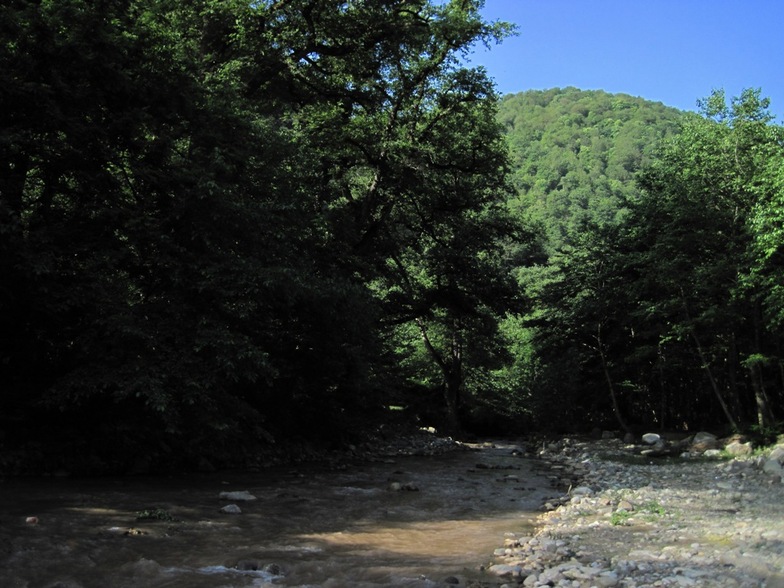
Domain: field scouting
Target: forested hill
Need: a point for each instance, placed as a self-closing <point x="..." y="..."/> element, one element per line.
<point x="660" y="299"/>
<point x="575" y="152"/>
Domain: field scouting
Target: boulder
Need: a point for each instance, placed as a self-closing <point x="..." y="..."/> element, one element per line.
<point x="778" y="454"/>
<point x="737" y="449"/>
<point x="231" y="509"/>
<point x="703" y="441"/>
<point x="703" y="437"/>
<point x="773" y="468"/>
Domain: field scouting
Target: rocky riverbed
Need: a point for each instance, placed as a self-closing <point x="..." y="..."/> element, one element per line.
<point x="638" y="514"/>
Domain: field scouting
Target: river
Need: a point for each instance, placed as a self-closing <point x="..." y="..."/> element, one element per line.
<point x="310" y="526"/>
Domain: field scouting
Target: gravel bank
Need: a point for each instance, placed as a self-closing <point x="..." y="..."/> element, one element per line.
<point x="644" y="515"/>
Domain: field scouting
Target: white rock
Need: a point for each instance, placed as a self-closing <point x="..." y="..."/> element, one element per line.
<point x="505" y="570"/>
<point x="651" y="438"/>
<point x="582" y="491"/>
<point x="231" y="509"/>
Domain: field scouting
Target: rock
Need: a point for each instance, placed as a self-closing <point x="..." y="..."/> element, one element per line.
<point x="506" y="570"/>
<point x="651" y="438"/>
<point x="253" y="565"/>
<point x="550" y="577"/>
<point x="702" y="442"/>
<point x="738" y="466"/>
<point x="628" y="438"/>
<point x="607" y="579"/>
<point x="407" y="486"/>
<point x="31" y="520"/>
<point x="608" y="435"/>
<point x="272" y="568"/>
<point x="703" y="436"/>
<point x="451" y="580"/>
<point x="231" y="509"/>
<point x="773" y="468"/>
<point x="778" y="454"/>
<point x="582" y="491"/>
<point x="242" y="496"/>
<point x="737" y="449"/>
<point x="712" y="453"/>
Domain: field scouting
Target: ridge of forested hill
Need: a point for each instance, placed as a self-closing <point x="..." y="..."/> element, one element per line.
<point x="575" y="153"/>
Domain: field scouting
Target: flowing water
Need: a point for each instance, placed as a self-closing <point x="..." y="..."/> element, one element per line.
<point x="317" y="526"/>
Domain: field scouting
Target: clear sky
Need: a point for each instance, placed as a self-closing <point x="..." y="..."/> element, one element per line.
<point x="670" y="51"/>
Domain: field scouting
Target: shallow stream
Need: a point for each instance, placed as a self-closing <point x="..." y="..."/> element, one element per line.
<point x="310" y="526"/>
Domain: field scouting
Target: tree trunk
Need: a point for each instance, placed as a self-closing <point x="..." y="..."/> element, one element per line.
<point x="706" y="366"/>
<point x="610" y="386"/>
<point x="714" y="385"/>
<point x="452" y="369"/>
<point x="764" y="414"/>
<point x="453" y="382"/>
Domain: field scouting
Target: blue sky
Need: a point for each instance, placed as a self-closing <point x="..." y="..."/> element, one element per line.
<point x="670" y="51"/>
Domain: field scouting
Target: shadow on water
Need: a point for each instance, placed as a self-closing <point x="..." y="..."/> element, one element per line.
<point x="310" y="526"/>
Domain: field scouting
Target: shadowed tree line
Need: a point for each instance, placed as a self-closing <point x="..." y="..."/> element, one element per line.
<point x="225" y="221"/>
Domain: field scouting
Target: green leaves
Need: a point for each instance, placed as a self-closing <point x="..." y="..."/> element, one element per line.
<point x="214" y="209"/>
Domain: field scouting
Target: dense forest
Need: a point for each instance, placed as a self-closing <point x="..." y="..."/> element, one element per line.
<point x="660" y="299"/>
<point x="227" y="226"/>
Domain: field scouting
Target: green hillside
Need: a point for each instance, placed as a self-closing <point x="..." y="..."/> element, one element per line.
<point x="575" y="152"/>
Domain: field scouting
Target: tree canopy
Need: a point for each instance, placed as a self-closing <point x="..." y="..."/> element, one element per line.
<point x="213" y="213"/>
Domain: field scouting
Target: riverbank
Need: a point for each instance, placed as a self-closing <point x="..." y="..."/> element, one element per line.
<point x="643" y="515"/>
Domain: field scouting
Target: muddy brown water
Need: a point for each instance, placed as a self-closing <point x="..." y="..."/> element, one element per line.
<point x="318" y="526"/>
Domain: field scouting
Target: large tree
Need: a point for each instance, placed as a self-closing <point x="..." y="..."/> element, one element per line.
<point x="202" y="204"/>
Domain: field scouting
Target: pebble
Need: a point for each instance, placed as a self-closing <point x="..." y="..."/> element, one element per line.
<point x="635" y="521"/>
